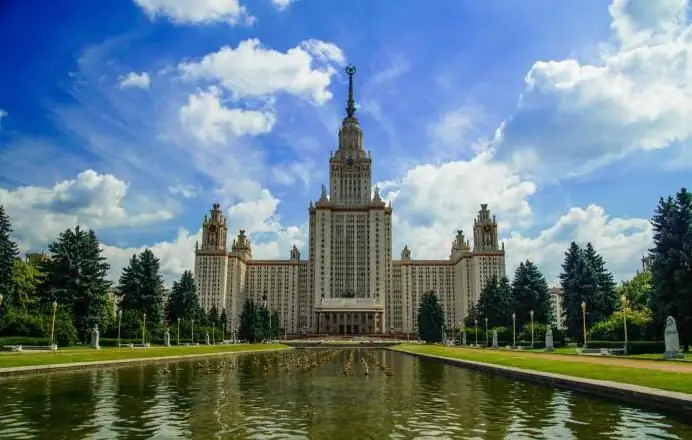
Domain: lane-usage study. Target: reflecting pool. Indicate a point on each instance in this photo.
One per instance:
(310, 394)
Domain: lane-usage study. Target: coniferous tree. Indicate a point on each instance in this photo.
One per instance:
(249, 328)
(76, 276)
(27, 280)
(151, 286)
(605, 301)
(530, 292)
(183, 301)
(496, 302)
(671, 267)
(128, 286)
(213, 316)
(430, 318)
(223, 321)
(579, 282)
(276, 324)
(8, 253)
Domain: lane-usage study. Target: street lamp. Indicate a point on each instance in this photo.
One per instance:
(486, 332)
(144, 327)
(624, 318)
(213, 333)
(583, 319)
(475, 325)
(1, 298)
(52, 326)
(531, 313)
(442, 332)
(192, 329)
(120, 321)
(461, 329)
(178, 335)
(514, 329)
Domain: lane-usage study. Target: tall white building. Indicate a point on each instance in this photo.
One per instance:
(349, 284)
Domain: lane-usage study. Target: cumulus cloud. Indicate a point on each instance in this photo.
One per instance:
(207, 119)
(197, 11)
(185, 191)
(253, 71)
(282, 5)
(91, 200)
(574, 117)
(133, 79)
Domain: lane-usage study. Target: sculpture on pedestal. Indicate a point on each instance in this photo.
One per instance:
(207, 338)
(463, 338)
(167, 338)
(495, 338)
(95, 337)
(549, 345)
(672, 340)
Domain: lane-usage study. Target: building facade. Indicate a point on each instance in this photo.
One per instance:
(349, 283)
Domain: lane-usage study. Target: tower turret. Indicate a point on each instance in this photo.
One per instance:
(214, 231)
(485, 236)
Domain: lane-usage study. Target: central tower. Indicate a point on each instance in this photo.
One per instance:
(350, 238)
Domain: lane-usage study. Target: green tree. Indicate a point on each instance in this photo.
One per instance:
(250, 326)
(26, 281)
(213, 316)
(183, 301)
(579, 282)
(530, 292)
(223, 319)
(430, 318)
(605, 300)
(128, 286)
(638, 290)
(496, 302)
(8, 253)
(141, 287)
(671, 267)
(76, 277)
(275, 325)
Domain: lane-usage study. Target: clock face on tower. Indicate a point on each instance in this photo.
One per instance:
(488, 228)
(212, 228)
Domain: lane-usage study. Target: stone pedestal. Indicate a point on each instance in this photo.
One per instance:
(167, 338)
(207, 338)
(549, 345)
(95, 338)
(672, 340)
(494, 338)
(463, 338)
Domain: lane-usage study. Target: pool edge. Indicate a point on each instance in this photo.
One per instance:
(668, 401)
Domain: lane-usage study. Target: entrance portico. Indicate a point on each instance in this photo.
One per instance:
(349, 316)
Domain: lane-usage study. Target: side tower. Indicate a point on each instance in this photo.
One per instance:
(211, 260)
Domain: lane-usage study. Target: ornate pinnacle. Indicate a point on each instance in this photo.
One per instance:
(351, 107)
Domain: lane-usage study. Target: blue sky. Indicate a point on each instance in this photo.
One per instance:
(569, 119)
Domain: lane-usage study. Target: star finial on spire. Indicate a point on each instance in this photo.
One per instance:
(351, 106)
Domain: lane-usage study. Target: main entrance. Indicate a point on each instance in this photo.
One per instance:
(349, 323)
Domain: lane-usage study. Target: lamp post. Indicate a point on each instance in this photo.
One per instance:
(192, 329)
(514, 329)
(144, 327)
(531, 313)
(1, 298)
(583, 319)
(486, 332)
(461, 329)
(624, 318)
(52, 326)
(120, 321)
(475, 325)
(442, 332)
(178, 334)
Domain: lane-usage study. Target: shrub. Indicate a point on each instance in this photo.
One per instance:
(612, 329)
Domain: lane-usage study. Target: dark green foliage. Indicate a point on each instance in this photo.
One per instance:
(275, 325)
(475, 314)
(605, 299)
(8, 253)
(579, 282)
(496, 303)
(249, 322)
(213, 316)
(76, 277)
(633, 347)
(141, 287)
(530, 292)
(223, 320)
(430, 318)
(183, 301)
(671, 267)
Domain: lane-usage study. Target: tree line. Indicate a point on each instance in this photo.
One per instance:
(70, 282)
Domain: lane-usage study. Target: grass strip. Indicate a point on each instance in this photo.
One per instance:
(111, 354)
(663, 380)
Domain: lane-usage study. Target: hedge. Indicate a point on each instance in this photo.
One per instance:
(633, 347)
(23, 340)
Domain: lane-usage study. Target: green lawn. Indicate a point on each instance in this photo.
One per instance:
(672, 381)
(108, 354)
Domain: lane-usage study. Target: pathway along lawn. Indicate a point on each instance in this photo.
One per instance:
(674, 376)
(110, 354)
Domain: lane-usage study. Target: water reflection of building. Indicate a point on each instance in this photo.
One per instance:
(350, 283)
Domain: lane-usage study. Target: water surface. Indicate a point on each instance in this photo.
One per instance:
(305, 394)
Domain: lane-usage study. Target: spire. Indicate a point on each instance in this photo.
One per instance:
(351, 106)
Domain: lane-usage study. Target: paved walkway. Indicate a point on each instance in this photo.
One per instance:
(679, 367)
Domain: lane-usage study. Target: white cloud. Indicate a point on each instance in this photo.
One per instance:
(91, 200)
(209, 121)
(250, 70)
(3, 113)
(134, 79)
(198, 11)
(185, 191)
(281, 5)
(577, 117)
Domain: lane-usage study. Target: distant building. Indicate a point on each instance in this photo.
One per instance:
(556, 301)
(647, 261)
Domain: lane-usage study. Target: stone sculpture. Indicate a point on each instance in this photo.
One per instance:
(672, 340)
(167, 338)
(495, 345)
(463, 338)
(207, 338)
(95, 337)
(549, 345)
